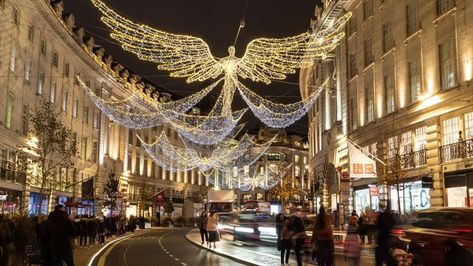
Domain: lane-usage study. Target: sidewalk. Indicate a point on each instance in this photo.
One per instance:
(253, 254)
(83, 255)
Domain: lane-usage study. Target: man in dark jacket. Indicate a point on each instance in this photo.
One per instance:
(60, 233)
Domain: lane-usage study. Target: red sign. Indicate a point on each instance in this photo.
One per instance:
(345, 176)
(374, 191)
(159, 199)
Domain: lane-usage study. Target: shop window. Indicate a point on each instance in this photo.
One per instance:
(450, 129)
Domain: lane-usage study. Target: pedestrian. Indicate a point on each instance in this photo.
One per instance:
(352, 246)
(60, 232)
(212, 223)
(324, 237)
(83, 232)
(279, 224)
(285, 240)
(92, 230)
(43, 243)
(298, 236)
(386, 222)
(101, 228)
(6, 238)
(371, 225)
(362, 227)
(202, 225)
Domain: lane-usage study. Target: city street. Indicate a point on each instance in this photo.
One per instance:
(170, 247)
(163, 246)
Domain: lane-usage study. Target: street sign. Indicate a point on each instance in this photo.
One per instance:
(345, 177)
(374, 191)
(160, 199)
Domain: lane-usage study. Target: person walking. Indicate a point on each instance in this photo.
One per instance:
(324, 236)
(370, 224)
(285, 240)
(212, 223)
(386, 222)
(362, 227)
(60, 231)
(202, 225)
(279, 225)
(101, 228)
(298, 236)
(83, 232)
(352, 246)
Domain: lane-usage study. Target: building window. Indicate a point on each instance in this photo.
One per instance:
(130, 137)
(83, 149)
(444, 6)
(75, 107)
(297, 171)
(16, 16)
(30, 33)
(13, 59)
(85, 118)
(9, 110)
(39, 90)
(25, 119)
(406, 143)
(76, 78)
(389, 93)
(368, 48)
(64, 101)
(353, 111)
(52, 93)
(353, 70)
(369, 98)
(367, 9)
(66, 69)
(54, 59)
(96, 119)
(412, 20)
(27, 72)
(415, 86)
(352, 25)
(450, 128)
(392, 147)
(421, 138)
(296, 158)
(469, 125)
(447, 58)
(388, 41)
(43, 47)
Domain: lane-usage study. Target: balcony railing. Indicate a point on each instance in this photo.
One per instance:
(458, 150)
(410, 160)
(9, 173)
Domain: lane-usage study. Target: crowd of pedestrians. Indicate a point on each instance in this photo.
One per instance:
(50, 240)
(291, 235)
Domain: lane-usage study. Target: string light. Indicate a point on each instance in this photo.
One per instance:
(265, 59)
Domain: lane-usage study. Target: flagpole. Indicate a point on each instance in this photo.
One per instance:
(366, 152)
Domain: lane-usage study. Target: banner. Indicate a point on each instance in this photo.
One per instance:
(88, 189)
(159, 199)
(361, 166)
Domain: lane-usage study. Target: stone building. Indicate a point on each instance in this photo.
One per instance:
(42, 50)
(402, 86)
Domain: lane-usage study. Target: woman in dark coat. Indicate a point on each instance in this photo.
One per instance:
(279, 225)
(323, 234)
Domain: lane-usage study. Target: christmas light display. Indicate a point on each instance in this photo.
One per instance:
(265, 59)
(187, 156)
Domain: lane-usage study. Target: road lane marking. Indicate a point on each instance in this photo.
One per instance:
(167, 252)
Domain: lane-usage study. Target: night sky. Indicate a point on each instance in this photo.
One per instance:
(216, 22)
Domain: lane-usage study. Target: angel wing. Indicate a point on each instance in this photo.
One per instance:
(183, 55)
(271, 58)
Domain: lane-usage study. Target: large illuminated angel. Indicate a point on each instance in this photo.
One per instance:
(265, 59)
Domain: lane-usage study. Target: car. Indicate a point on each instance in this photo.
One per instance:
(440, 236)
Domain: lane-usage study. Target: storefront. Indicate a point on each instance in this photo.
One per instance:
(34, 202)
(412, 197)
(85, 207)
(10, 201)
(364, 200)
(459, 189)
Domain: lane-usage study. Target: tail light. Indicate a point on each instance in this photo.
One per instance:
(464, 230)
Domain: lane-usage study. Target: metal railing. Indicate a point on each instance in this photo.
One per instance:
(409, 160)
(8, 172)
(457, 150)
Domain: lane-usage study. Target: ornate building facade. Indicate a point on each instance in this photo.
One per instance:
(401, 81)
(42, 51)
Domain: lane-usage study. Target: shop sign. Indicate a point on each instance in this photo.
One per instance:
(345, 176)
(3, 197)
(160, 199)
(374, 192)
(361, 165)
(427, 182)
(345, 191)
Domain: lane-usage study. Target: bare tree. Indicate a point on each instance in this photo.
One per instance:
(394, 172)
(53, 145)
